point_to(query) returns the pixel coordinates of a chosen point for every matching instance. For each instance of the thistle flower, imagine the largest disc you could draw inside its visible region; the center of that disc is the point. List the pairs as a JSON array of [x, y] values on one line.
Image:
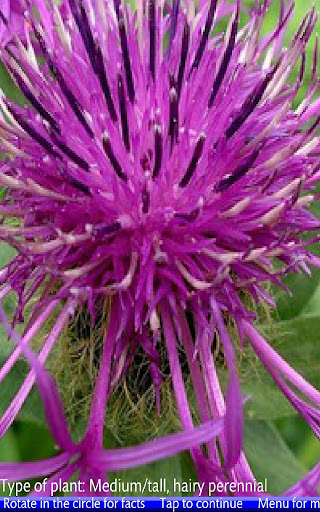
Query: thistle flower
[[163, 170]]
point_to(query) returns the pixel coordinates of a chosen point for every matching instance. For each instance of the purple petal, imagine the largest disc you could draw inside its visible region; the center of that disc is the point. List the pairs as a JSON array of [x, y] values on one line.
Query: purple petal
[[62, 476], [125, 458], [27, 470], [234, 410]]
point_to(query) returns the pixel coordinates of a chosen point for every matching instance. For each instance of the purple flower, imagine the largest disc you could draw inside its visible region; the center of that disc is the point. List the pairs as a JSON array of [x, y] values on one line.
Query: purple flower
[[165, 170]]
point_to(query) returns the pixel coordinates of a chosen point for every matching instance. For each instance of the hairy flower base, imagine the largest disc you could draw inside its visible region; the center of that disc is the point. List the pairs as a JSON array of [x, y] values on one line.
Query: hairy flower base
[[165, 171]]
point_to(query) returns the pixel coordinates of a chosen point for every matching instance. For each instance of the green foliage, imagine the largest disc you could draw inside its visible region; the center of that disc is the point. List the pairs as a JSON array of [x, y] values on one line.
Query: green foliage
[[270, 457], [297, 341]]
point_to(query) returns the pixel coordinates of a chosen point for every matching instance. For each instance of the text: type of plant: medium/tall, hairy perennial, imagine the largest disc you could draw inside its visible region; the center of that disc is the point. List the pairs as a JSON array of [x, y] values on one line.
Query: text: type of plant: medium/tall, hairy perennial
[[166, 170]]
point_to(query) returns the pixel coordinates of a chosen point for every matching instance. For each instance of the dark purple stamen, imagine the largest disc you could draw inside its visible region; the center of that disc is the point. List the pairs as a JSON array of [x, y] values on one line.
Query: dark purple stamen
[[310, 26], [102, 76], [125, 55], [173, 116], [296, 194], [172, 80], [225, 61], [74, 182], [152, 37], [188, 217], [315, 60], [183, 57], [282, 22], [205, 35], [70, 97], [35, 102], [302, 67], [94, 54], [33, 133], [239, 172], [157, 151], [117, 4], [314, 125], [123, 113], [194, 160], [78, 160], [107, 230], [81, 19], [3, 18], [301, 27], [173, 24], [145, 200], [145, 163], [113, 160], [250, 103]]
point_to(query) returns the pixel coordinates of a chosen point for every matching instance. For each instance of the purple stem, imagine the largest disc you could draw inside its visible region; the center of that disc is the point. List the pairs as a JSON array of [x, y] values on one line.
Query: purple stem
[[27, 470], [125, 458], [94, 435], [177, 380]]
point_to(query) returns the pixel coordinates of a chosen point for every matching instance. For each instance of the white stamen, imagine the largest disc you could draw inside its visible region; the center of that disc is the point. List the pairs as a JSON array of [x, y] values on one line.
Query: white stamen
[[140, 18], [154, 321], [275, 121], [31, 186], [42, 248], [10, 148], [303, 105], [271, 216], [77, 272], [236, 209], [38, 189], [278, 157], [28, 54], [226, 258], [125, 221], [103, 17], [8, 113], [287, 189], [268, 59], [64, 238], [304, 201], [307, 148], [127, 280], [62, 32], [196, 283], [255, 254], [276, 85]]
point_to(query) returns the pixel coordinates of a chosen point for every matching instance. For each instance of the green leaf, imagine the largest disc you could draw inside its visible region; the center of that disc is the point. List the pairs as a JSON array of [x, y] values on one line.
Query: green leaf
[[270, 457], [297, 341], [300, 439], [32, 409], [8, 447], [33, 441], [312, 307], [9, 88], [6, 254], [303, 287], [8, 451]]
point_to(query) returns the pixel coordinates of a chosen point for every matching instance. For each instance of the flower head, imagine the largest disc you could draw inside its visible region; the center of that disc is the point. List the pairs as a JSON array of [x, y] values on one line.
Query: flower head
[[166, 171]]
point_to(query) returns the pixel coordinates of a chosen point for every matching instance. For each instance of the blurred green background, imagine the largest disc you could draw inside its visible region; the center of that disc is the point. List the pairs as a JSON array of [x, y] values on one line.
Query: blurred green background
[[278, 443]]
